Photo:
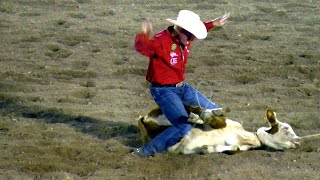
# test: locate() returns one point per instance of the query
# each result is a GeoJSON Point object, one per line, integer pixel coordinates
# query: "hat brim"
{"type": "Point", "coordinates": [198, 29]}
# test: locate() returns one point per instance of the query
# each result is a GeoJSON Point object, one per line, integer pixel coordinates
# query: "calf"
{"type": "Point", "coordinates": [215, 133]}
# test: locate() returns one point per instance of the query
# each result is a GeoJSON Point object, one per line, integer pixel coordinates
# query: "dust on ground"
{"type": "Point", "coordinates": [72, 87]}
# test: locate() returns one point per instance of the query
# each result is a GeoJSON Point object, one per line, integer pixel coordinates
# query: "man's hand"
{"type": "Point", "coordinates": [146, 27]}
{"type": "Point", "coordinates": [194, 118]}
{"type": "Point", "coordinates": [220, 21]}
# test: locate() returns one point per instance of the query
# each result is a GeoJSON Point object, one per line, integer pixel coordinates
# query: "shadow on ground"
{"type": "Point", "coordinates": [127, 134]}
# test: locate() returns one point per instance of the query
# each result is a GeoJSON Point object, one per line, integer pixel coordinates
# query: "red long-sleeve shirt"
{"type": "Point", "coordinates": [167, 59]}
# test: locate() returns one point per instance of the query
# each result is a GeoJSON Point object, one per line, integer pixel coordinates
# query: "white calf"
{"type": "Point", "coordinates": [220, 134]}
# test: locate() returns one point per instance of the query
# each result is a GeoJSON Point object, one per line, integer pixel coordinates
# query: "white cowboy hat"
{"type": "Point", "coordinates": [191, 22]}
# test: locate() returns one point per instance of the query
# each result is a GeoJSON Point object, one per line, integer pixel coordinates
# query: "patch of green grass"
{"type": "Point", "coordinates": [311, 91]}
{"type": "Point", "coordinates": [120, 61]}
{"type": "Point", "coordinates": [299, 5]}
{"type": "Point", "coordinates": [77, 15]}
{"type": "Point", "coordinates": [309, 121]}
{"type": "Point", "coordinates": [72, 40]}
{"type": "Point", "coordinates": [57, 54]}
{"type": "Point", "coordinates": [246, 79]}
{"type": "Point", "coordinates": [83, 1]}
{"type": "Point", "coordinates": [104, 31]}
{"type": "Point", "coordinates": [278, 14]}
{"type": "Point", "coordinates": [134, 71]}
{"type": "Point", "coordinates": [95, 49]}
{"type": "Point", "coordinates": [30, 13]}
{"type": "Point", "coordinates": [190, 68]}
{"type": "Point", "coordinates": [71, 100]}
{"type": "Point", "coordinates": [52, 150]}
{"type": "Point", "coordinates": [26, 80]}
{"type": "Point", "coordinates": [15, 87]}
{"type": "Point", "coordinates": [85, 93]}
{"type": "Point", "coordinates": [81, 65]}
{"type": "Point", "coordinates": [317, 83]}
{"type": "Point", "coordinates": [62, 23]}
{"type": "Point", "coordinates": [4, 23]}
{"type": "Point", "coordinates": [89, 83]}
{"type": "Point", "coordinates": [53, 47]}
{"type": "Point", "coordinates": [7, 7]}
{"type": "Point", "coordinates": [205, 5]}
{"type": "Point", "coordinates": [259, 36]}
{"type": "Point", "coordinates": [14, 104]}
{"type": "Point", "coordinates": [308, 148]}
{"type": "Point", "coordinates": [311, 72]}
{"type": "Point", "coordinates": [105, 13]}
{"type": "Point", "coordinates": [266, 9]}
{"type": "Point", "coordinates": [31, 38]}
{"type": "Point", "coordinates": [71, 73]}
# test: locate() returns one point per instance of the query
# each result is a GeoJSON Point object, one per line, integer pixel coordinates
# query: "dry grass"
{"type": "Point", "coordinates": [72, 86]}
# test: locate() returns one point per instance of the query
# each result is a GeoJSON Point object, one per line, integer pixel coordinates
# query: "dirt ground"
{"type": "Point", "coordinates": [72, 87]}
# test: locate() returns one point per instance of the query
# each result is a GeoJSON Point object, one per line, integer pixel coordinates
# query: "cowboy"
{"type": "Point", "coordinates": [168, 54]}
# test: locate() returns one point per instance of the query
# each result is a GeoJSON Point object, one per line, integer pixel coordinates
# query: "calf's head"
{"type": "Point", "coordinates": [280, 135]}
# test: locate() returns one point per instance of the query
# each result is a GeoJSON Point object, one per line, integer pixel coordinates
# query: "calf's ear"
{"type": "Point", "coordinates": [271, 116]}
{"type": "Point", "coordinates": [218, 122]}
{"type": "Point", "coordinates": [143, 131]}
{"type": "Point", "coordinates": [155, 112]}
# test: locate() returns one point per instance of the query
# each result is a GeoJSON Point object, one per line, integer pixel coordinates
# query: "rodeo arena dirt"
{"type": "Point", "coordinates": [75, 102]}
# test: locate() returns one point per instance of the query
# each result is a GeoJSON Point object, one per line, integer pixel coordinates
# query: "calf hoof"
{"type": "Point", "coordinates": [208, 149]}
{"type": "Point", "coordinates": [235, 149]}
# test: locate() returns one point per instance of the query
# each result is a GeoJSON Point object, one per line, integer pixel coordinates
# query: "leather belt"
{"type": "Point", "coordinates": [180, 84]}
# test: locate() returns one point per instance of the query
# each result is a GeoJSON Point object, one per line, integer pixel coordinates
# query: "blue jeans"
{"type": "Point", "coordinates": [171, 101]}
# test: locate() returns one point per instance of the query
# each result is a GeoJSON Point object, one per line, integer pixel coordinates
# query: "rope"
{"type": "Point", "coordinates": [310, 136]}
{"type": "Point", "coordinates": [197, 95]}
